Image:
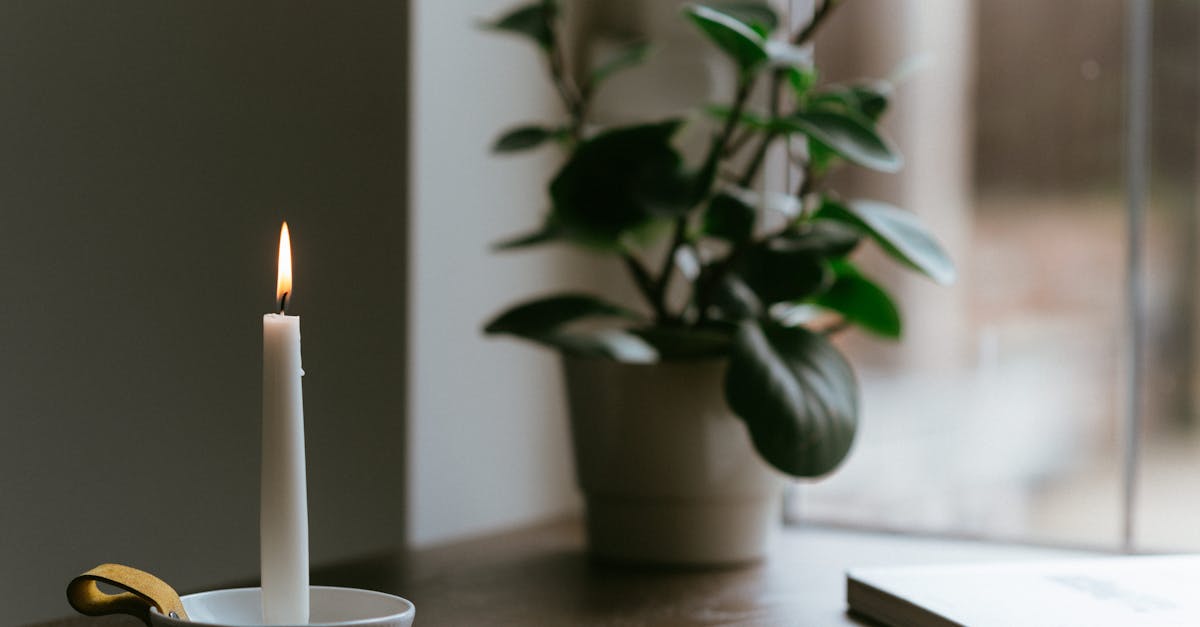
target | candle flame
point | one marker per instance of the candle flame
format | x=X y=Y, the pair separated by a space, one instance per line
x=283 y=287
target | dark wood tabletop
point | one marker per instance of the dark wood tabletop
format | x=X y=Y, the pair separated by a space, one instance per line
x=541 y=576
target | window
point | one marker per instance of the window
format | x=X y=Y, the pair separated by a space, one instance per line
x=1006 y=410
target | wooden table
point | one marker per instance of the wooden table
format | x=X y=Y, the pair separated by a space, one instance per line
x=540 y=576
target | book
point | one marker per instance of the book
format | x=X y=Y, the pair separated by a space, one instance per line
x=1126 y=591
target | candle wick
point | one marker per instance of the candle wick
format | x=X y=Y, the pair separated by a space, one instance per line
x=283 y=300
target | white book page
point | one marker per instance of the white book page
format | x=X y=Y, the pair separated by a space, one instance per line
x=1099 y=592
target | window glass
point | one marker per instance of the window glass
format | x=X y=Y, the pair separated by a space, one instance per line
x=1000 y=413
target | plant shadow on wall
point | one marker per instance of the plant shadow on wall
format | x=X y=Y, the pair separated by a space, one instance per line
x=766 y=278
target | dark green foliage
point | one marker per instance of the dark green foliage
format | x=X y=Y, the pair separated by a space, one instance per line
x=865 y=102
x=778 y=271
x=743 y=44
x=757 y=15
x=802 y=81
x=735 y=300
x=523 y=138
x=898 y=232
x=860 y=301
x=631 y=56
x=796 y=394
x=729 y=218
x=846 y=135
x=749 y=270
x=532 y=21
x=822 y=238
x=545 y=320
x=620 y=181
x=676 y=343
x=550 y=313
x=745 y=118
x=548 y=233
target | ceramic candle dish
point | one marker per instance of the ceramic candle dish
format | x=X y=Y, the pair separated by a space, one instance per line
x=330 y=607
x=154 y=602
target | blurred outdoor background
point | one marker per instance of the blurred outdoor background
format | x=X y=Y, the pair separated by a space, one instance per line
x=1001 y=413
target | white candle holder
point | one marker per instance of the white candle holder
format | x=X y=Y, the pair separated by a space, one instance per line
x=156 y=604
x=330 y=607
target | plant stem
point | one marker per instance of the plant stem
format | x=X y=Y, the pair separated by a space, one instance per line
x=808 y=184
x=822 y=12
x=737 y=142
x=709 y=281
x=756 y=161
x=668 y=268
x=760 y=153
x=575 y=99
x=645 y=284
x=679 y=236
x=745 y=85
x=712 y=276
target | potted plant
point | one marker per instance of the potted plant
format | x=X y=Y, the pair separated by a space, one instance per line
x=677 y=403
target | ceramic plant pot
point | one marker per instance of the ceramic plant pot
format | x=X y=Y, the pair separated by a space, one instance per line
x=667 y=470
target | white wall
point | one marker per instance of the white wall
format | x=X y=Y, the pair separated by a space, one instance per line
x=488 y=445
x=488 y=441
x=149 y=151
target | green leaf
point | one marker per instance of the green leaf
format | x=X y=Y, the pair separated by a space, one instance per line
x=778 y=271
x=802 y=80
x=628 y=57
x=900 y=233
x=757 y=15
x=797 y=396
x=782 y=203
x=861 y=301
x=687 y=342
x=845 y=135
x=821 y=238
x=723 y=112
x=866 y=102
x=821 y=157
x=798 y=314
x=538 y=318
x=735 y=300
x=523 y=138
x=746 y=46
x=621 y=181
x=548 y=233
x=782 y=54
x=872 y=99
x=616 y=344
x=532 y=21
x=729 y=218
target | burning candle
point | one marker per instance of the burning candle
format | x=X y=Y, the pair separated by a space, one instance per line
x=284 y=516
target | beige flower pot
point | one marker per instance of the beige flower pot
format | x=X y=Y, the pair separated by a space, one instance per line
x=668 y=471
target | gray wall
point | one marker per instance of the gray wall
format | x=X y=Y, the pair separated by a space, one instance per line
x=148 y=152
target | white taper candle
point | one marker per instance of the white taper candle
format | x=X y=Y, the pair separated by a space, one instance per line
x=284 y=500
